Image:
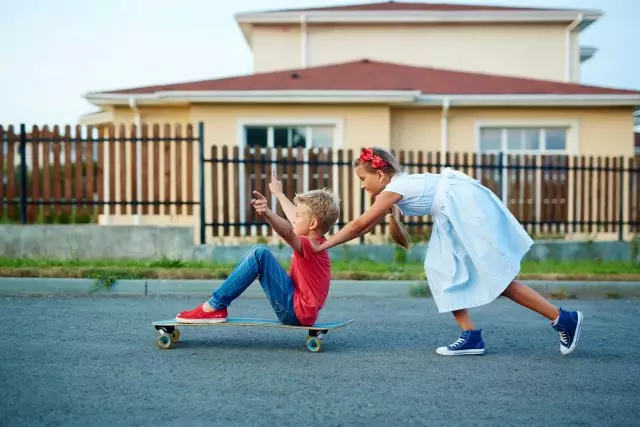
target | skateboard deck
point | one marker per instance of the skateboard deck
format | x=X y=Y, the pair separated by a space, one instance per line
x=170 y=334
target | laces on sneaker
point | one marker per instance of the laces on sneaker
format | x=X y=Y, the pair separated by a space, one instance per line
x=564 y=337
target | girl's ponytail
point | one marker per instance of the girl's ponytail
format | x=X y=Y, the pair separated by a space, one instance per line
x=398 y=233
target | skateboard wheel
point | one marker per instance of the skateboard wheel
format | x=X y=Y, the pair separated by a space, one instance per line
x=163 y=341
x=314 y=344
x=175 y=335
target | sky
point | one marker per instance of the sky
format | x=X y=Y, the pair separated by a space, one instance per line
x=53 y=52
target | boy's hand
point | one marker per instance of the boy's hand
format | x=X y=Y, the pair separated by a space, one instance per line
x=259 y=203
x=275 y=186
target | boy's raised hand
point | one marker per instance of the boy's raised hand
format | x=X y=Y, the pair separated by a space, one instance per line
x=259 y=203
x=275 y=186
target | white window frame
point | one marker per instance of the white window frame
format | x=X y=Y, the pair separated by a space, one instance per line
x=572 y=148
x=242 y=123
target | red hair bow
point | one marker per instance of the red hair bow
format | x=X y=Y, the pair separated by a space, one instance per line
x=376 y=162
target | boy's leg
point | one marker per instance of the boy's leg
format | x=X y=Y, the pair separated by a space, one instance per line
x=259 y=263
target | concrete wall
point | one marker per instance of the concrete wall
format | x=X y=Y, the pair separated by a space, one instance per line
x=152 y=243
x=95 y=242
x=541 y=251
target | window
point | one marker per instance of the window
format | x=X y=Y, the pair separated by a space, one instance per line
x=282 y=136
x=510 y=181
x=520 y=140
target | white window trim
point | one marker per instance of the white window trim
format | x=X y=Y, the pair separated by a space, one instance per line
x=573 y=132
x=338 y=143
x=572 y=148
x=336 y=122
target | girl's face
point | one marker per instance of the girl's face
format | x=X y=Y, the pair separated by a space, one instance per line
x=372 y=182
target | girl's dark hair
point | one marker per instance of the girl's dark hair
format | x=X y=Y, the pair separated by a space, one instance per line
x=396 y=228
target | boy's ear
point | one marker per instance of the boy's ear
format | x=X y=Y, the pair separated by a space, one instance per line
x=313 y=224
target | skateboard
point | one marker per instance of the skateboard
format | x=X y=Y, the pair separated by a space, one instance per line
x=169 y=332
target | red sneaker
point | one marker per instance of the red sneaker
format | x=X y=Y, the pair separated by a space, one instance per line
x=197 y=315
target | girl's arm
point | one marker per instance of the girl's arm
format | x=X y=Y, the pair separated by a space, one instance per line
x=364 y=223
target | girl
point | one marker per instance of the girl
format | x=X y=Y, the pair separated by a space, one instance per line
x=475 y=248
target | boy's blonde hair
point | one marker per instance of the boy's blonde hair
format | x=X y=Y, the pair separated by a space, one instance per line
x=324 y=206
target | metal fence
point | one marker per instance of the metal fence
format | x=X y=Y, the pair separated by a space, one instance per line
x=64 y=174
x=549 y=194
x=73 y=174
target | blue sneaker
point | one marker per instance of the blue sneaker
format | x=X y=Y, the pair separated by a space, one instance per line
x=470 y=342
x=568 y=325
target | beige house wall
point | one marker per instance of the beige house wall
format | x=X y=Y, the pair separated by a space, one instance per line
x=525 y=50
x=276 y=47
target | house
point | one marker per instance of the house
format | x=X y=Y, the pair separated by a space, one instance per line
x=408 y=76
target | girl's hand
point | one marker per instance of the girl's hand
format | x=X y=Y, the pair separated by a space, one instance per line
x=259 y=203
x=275 y=186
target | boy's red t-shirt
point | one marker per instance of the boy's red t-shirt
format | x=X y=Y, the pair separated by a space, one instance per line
x=311 y=276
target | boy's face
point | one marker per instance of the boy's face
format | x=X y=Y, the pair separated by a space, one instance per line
x=304 y=222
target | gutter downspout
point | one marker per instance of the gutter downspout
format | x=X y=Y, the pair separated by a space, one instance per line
x=569 y=47
x=444 y=130
x=138 y=144
x=303 y=41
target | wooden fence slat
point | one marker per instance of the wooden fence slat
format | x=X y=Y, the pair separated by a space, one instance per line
x=78 y=166
x=236 y=187
x=178 y=171
x=122 y=143
x=68 y=171
x=215 y=182
x=90 y=189
x=190 y=150
x=11 y=172
x=133 y=170
x=145 y=197
x=225 y=190
x=33 y=210
x=166 y=194
x=156 y=168
x=575 y=163
x=634 y=194
x=100 y=181
x=57 y=169
x=615 y=203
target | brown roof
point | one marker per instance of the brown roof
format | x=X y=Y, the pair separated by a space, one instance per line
x=392 y=6
x=365 y=75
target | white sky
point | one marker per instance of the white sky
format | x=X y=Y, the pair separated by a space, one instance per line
x=55 y=51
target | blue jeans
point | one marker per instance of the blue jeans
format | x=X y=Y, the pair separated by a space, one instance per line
x=259 y=263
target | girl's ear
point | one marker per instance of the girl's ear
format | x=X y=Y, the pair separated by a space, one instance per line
x=380 y=174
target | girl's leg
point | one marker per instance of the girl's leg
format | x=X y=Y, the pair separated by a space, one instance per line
x=567 y=323
x=527 y=297
x=469 y=343
x=463 y=319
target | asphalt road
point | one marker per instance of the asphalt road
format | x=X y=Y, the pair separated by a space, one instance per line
x=93 y=362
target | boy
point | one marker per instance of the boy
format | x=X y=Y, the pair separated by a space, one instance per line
x=296 y=297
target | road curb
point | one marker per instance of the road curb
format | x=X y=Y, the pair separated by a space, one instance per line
x=339 y=288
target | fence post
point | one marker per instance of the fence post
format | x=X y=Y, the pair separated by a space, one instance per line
x=202 y=171
x=621 y=202
x=23 y=174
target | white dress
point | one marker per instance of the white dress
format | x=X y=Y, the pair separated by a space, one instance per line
x=476 y=245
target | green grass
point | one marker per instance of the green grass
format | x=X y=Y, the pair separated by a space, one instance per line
x=110 y=270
